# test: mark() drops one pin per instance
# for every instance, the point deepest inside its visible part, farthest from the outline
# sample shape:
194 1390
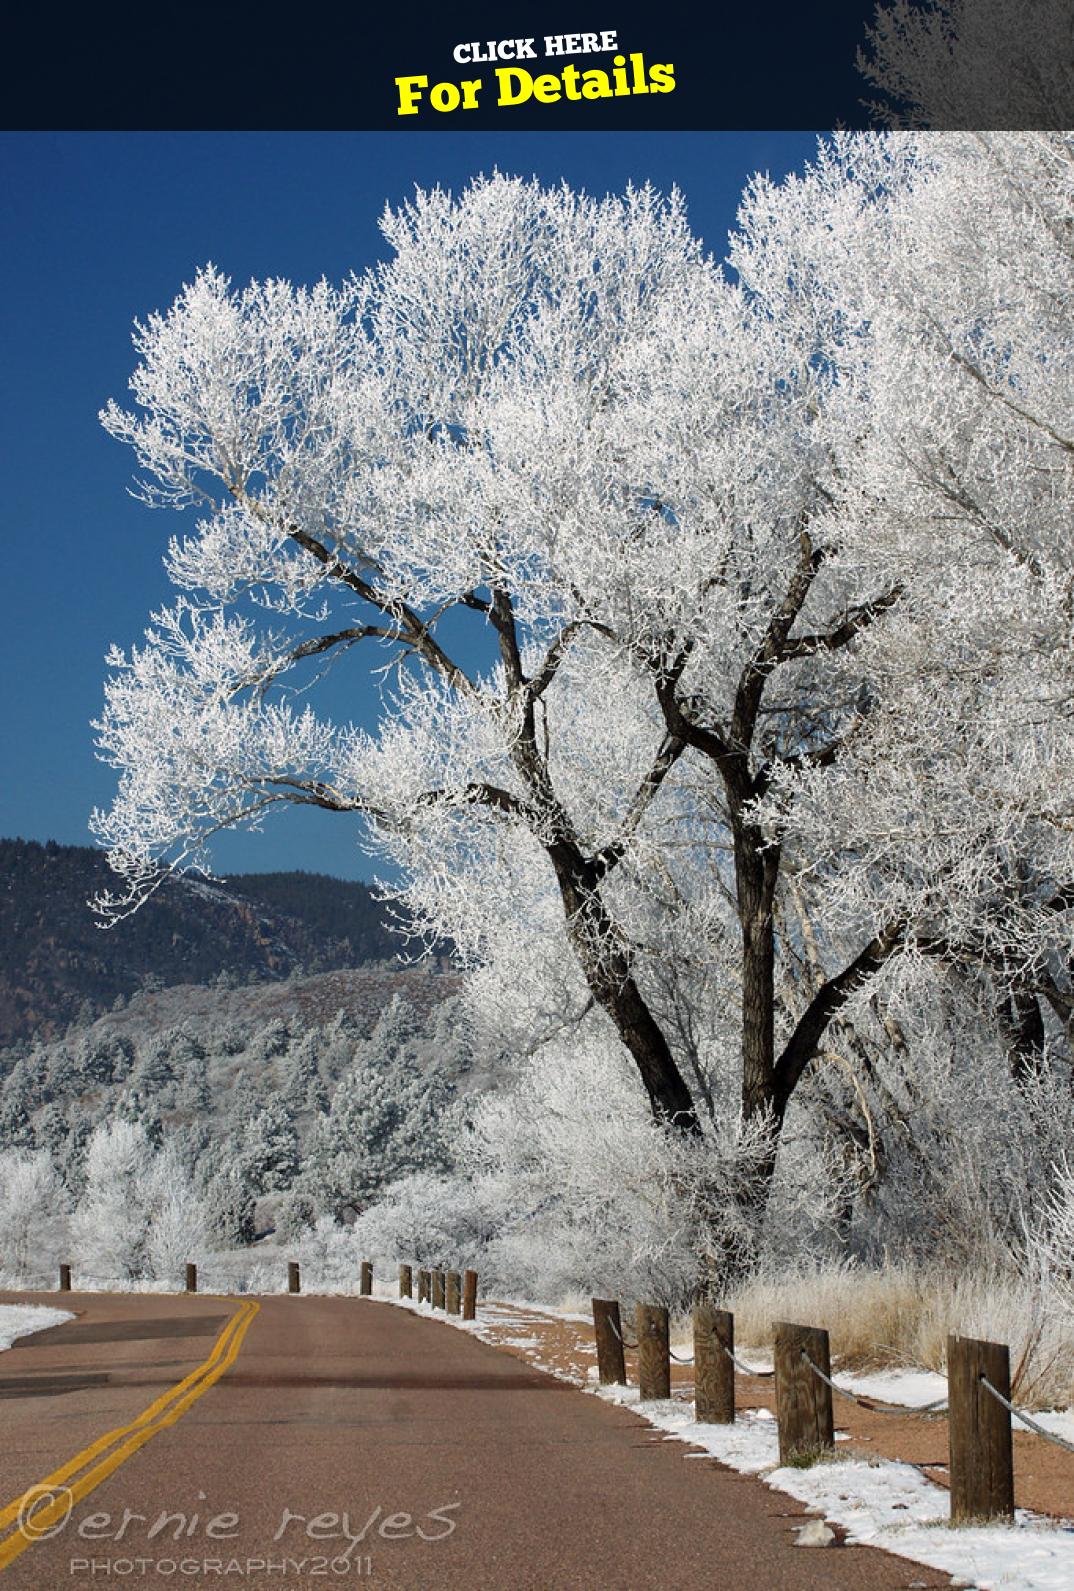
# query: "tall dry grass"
901 1316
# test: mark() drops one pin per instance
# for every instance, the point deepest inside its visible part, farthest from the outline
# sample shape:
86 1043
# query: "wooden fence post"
803 1400
469 1295
191 1278
424 1286
65 1278
979 1430
438 1289
714 1371
366 1283
406 1282
608 1330
452 1292
654 1361
294 1285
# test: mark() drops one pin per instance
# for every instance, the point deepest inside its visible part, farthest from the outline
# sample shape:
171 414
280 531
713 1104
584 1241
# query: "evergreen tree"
192 1095
271 1041
230 1207
16 1131
71 1158
243 1103
104 1058
398 1031
140 1109
383 1124
270 1154
303 1085
51 1131
231 1038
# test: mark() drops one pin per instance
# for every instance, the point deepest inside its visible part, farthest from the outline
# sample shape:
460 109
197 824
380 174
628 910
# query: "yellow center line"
35 1514
59 1476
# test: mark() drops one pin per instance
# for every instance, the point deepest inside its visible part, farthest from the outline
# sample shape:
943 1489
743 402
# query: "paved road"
341 1441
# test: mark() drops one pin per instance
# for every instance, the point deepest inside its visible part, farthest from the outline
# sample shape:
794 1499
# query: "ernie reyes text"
515 84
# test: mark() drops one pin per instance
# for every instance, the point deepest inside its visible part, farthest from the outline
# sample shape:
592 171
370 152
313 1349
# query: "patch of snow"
911 1388
21 1320
880 1503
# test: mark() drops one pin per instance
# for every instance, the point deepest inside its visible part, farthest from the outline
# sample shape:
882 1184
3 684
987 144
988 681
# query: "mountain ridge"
57 965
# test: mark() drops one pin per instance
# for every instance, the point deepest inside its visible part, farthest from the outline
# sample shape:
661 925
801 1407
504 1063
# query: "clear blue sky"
100 228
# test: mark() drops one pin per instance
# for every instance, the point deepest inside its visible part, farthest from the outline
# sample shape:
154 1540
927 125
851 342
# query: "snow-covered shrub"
140 1215
110 1223
429 1220
177 1225
33 1211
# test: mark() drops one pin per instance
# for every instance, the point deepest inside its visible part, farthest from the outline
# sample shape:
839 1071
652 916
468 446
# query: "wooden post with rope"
714 1370
608 1331
803 1400
979 1430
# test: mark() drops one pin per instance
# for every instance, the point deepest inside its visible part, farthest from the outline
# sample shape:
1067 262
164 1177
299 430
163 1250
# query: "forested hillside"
266 1104
54 957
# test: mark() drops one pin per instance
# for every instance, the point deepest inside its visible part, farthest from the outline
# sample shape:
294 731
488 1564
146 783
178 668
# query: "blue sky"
100 228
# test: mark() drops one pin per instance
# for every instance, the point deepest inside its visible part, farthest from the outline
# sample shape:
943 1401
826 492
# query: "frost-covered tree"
177 1226
270 1148
303 1085
104 1058
50 1129
33 1208
110 1224
229 1205
269 1042
385 1122
71 1157
192 1094
749 560
16 1128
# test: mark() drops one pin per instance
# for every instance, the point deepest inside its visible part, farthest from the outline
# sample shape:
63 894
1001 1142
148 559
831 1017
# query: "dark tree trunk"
606 965
756 872
1024 1023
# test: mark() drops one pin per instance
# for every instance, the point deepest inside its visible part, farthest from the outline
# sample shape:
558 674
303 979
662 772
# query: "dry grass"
901 1317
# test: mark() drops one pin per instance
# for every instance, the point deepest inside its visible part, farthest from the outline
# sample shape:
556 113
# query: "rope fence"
1026 1419
630 1346
745 1369
978 1405
874 1405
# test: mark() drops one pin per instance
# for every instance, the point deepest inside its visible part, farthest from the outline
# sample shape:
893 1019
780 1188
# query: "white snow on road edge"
878 1502
22 1320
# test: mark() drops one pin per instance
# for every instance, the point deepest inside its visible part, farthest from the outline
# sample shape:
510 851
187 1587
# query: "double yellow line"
42 1509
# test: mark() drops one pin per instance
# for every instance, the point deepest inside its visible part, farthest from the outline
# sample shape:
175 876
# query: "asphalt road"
323 1441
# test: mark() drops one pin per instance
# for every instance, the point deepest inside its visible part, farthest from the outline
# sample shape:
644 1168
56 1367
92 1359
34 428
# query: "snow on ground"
911 1388
878 1502
19 1320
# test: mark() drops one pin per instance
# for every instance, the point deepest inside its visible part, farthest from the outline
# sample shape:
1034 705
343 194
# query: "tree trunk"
604 960
1021 1016
756 872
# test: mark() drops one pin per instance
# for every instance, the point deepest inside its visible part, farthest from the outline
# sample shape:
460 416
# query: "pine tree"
72 1156
270 1153
51 1131
230 1207
192 1095
16 1131
303 1086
